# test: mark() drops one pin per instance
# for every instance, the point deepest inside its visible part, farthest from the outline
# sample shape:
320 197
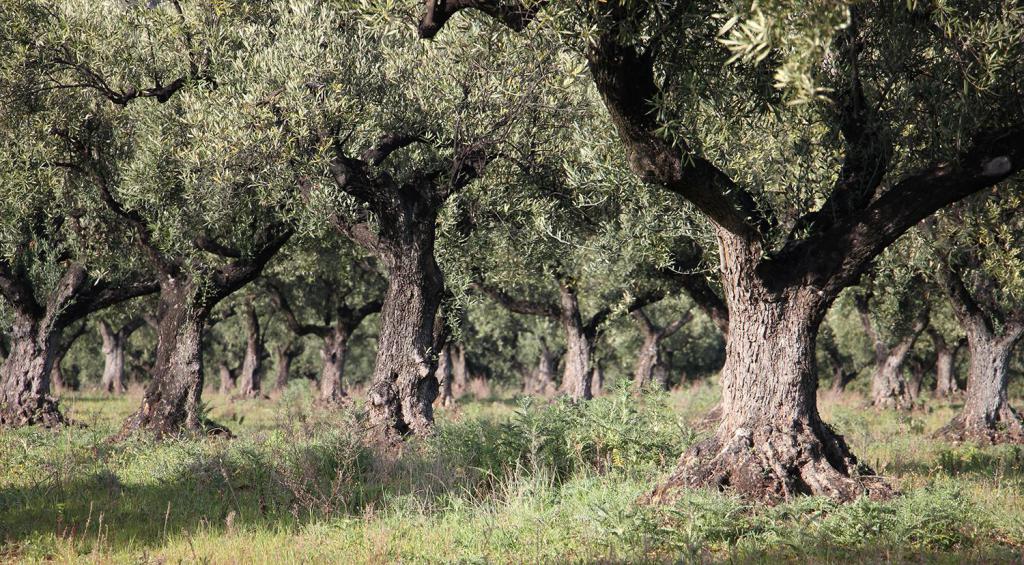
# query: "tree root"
1007 428
771 464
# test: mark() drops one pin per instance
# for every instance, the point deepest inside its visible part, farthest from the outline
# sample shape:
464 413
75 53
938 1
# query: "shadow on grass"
125 498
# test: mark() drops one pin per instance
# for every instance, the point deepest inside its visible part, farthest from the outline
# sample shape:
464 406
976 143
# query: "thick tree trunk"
576 375
170 404
403 387
987 415
227 380
333 354
770 443
113 359
252 364
25 376
444 376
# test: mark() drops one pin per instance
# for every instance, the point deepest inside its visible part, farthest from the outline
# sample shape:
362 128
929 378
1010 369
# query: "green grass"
507 481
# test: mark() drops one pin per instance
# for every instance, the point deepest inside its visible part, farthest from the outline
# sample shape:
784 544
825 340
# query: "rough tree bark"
170 404
580 337
945 364
35 333
403 386
579 346
63 343
841 374
444 376
987 416
771 443
650 367
252 364
114 342
888 387
171 401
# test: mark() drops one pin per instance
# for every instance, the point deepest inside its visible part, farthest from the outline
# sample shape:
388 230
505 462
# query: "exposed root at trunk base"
771 463
1007 428
43 411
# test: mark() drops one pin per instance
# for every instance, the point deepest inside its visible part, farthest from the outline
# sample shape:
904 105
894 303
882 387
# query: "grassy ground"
507 481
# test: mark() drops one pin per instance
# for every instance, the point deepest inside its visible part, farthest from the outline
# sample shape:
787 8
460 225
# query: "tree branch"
838 256
514 14
516 305
626 80
277 296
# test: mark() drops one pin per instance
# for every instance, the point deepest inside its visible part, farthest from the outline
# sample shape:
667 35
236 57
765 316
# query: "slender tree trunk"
576 375
113 359
460 374
987 415
403 387
945 366
170 404
227 380
283 356
597 380
252 364
334 353
646 361
916 381
25 375
770 443
444 376
543 381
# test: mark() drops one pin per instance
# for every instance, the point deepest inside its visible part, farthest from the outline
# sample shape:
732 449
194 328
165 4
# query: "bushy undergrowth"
507 481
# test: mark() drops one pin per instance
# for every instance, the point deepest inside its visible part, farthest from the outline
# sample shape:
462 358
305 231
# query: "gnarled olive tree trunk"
227 380
25 375
252 364
577 372
650 368
333 354
888 387
114 342
444 376
460 372
945 365
170 404
543 380
403 386
770 443
284 354
987 415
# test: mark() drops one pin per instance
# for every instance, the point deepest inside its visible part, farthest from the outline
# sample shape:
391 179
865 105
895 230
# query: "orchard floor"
505 480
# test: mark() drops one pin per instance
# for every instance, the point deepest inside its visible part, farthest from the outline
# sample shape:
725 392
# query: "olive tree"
173 148
977 246
811 136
